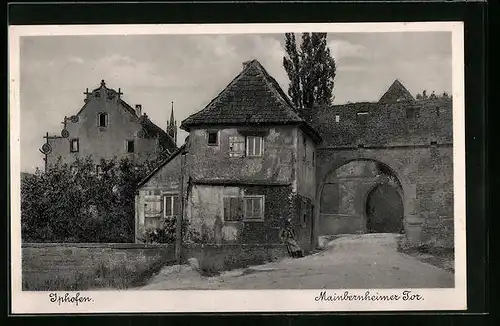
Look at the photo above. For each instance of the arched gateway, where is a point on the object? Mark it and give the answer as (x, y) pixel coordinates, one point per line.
(362, 191)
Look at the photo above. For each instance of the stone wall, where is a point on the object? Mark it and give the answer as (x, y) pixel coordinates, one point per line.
(65, 260)
(45, 262)
(230, 256)
(426, 177)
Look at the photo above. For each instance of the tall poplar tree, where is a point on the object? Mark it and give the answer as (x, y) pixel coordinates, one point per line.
(311, 70)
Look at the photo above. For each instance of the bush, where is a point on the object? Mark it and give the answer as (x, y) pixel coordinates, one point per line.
(167, 233)
(74, 203)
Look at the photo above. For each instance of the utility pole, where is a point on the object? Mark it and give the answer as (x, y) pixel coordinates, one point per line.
(180, 216)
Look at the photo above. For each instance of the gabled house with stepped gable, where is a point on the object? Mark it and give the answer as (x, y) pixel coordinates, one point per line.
(107, 127)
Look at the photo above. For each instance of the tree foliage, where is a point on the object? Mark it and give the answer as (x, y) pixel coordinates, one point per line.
(76, 203)
(311, 70)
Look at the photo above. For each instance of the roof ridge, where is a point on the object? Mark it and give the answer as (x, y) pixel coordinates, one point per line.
(217, 97)
(276, 89)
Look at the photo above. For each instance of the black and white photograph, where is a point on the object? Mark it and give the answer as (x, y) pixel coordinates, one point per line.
(259, 167)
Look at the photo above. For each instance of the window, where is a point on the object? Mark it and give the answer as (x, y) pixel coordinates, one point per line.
(102, 119)
(254, 146)
(232, 209)
(362, 117)
(304, 142)
(130, 146)
(236, 146)
(171, 204)
(337, 118)
(74, 145)
(153, 202)
(213, 139)
(412, 113)
(254, 207)
(303, 212)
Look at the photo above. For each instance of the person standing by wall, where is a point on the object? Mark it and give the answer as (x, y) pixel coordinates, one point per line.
(287, 235)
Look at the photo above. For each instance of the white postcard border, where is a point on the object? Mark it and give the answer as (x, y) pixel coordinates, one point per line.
(24, 302)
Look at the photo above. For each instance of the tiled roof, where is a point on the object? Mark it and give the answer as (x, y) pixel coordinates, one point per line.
(151, 130)
(396, 93)
(253, 97)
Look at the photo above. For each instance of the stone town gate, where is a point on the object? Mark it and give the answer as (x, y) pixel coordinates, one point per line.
(423, 178)
(411, 141)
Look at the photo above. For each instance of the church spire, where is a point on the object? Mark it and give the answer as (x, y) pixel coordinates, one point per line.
(172, 125)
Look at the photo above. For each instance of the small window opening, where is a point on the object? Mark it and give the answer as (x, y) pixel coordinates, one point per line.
(212, 138)
(103, 119)
(130, 146)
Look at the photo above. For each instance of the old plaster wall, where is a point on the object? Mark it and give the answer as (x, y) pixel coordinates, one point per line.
(205, 210)
(276, 165)
(167, 180)
(102, 142)
(306, 164)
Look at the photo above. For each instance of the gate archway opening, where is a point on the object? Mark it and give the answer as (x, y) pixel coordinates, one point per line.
(384, 210)
(361, 196)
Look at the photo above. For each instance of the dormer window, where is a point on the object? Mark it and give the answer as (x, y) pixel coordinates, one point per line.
(102, 120)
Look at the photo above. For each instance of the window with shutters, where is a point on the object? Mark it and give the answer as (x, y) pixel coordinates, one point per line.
(253, 208)
(255, 146)
(236, 146)
(152, 205)
(232, 209)
(171, 205)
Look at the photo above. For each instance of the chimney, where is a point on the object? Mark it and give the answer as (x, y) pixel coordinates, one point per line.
(138, 109)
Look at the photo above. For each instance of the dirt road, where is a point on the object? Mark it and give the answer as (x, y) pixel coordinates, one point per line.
(352, 261)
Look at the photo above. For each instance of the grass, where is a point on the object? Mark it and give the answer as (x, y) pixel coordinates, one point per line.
(116, 277)
(440, 257)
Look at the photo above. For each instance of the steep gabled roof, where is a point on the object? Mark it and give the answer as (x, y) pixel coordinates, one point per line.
(149, 128)
(252, 97)
(396, 93)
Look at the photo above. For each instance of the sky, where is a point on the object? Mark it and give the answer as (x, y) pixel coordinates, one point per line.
(190, 70)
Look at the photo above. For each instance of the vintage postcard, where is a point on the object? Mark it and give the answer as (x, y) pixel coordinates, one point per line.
(237, 168)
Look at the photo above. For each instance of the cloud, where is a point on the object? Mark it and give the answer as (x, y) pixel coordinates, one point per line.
(75, 60)
(345, 49)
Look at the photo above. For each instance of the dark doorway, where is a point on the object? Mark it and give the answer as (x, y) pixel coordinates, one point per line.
(384, 210)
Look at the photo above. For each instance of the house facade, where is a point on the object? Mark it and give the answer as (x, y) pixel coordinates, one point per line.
(247, 167)
(107, 127)
(252, 161)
